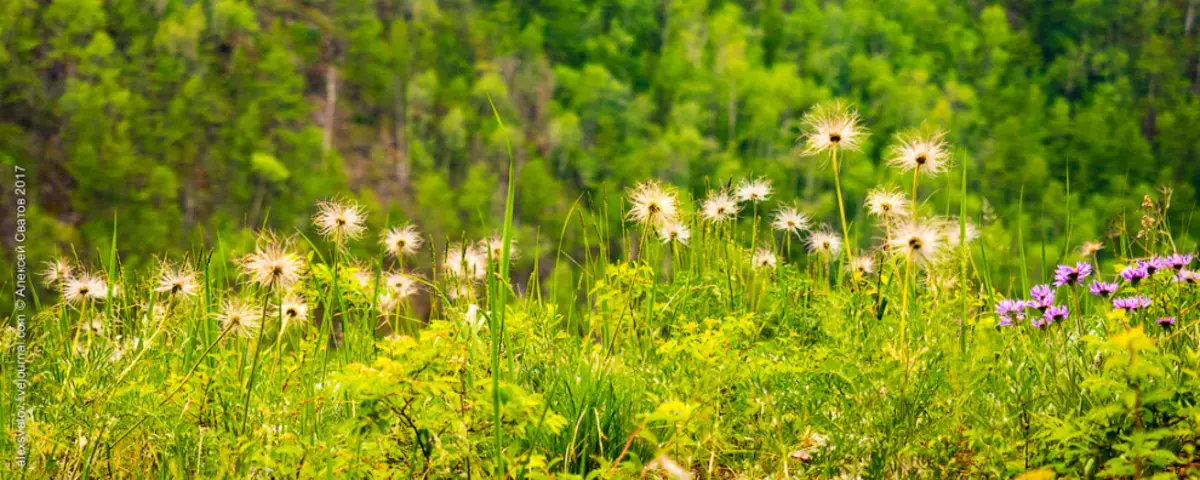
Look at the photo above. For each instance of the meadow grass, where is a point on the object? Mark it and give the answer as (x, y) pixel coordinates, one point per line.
(684, 345)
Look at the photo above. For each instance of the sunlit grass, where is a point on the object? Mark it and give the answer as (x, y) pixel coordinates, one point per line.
(720, 353)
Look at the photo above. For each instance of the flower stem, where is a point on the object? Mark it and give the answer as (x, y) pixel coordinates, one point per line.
(837, 185)
(254, 365)
(916, 175)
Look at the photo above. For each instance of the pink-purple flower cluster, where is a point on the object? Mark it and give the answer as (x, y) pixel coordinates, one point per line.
(1041, 297)
(1068, 275)
(1166, 321)
(1187, 276)
(1154, 264)
(1179, 261)
(1131, 304)
(1135, 274)
(1008, 310)
(1055, 314)
(1102, 289)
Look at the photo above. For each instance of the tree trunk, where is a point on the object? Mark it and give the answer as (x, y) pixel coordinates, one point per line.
(330, 106)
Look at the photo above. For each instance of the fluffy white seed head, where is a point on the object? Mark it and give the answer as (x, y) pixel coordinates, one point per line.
(789, 219)
(85, 286)
(764, 259)
(719, 207)
(57, 272)
(493, 247)
(831, 126)
(918, 242)
(239, 318)
(652, 204)
(177, 280)
(400, 242)
(340, 220)
(403, 285)
(887, 203)
(755, 190)
(292, 312)
(824, 243)
(928, 153)
(674, 232)
(272, 265)
(952, 232)
(1090, 248)
(465, 263)
(861, 266)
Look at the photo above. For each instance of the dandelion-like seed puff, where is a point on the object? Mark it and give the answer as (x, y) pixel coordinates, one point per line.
(825, 244)
(652, 204)
(927, 153)
(719, 207)
(291, 312)
(340, 220)
(57, 272)
(861, 266)
(85, 286)
(493, 247)
(754, 190)
(466, 263)
(400, 242)
(674, 232)
(403, 285)
(1090, 248)
(177, 280)
(831, 126)
(271, 265)
(952, 231)
(887, 203)
(918, 242)
(789, 219)
(239, 318)
(764, 259)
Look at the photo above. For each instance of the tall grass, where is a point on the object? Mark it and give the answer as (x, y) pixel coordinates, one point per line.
(638, 358)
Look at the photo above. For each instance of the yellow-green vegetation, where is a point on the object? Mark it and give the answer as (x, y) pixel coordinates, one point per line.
(697, 356)
(599, 240)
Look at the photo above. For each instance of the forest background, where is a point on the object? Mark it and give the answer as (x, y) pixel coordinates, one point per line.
(188, 124)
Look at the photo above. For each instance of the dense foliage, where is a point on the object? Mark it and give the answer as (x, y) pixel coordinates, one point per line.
(843, 266)
(693, 360)
(184, 121)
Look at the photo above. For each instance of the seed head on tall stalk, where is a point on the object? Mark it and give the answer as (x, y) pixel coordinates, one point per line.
(272, 267)
(834, 127)
(401, 242)
(917, 243)
(674, 233)
(790, 221)
(754, 192)
(824, 245)
(720, 207)
(651, 204)
(920, 152)
(889, 205)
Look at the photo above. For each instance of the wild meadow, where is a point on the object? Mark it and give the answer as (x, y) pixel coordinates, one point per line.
(722, 335)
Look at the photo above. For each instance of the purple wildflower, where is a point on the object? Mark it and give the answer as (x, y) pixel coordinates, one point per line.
(1166, 321)
(1102, 289)
(1132, 304)
(1134, 274)
(1180, 261)
(1154, 264)
(1187, 276)
(1043, 297)
(1068, 275)
(1056, 314)
(1038, 322)
(1009, 309)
